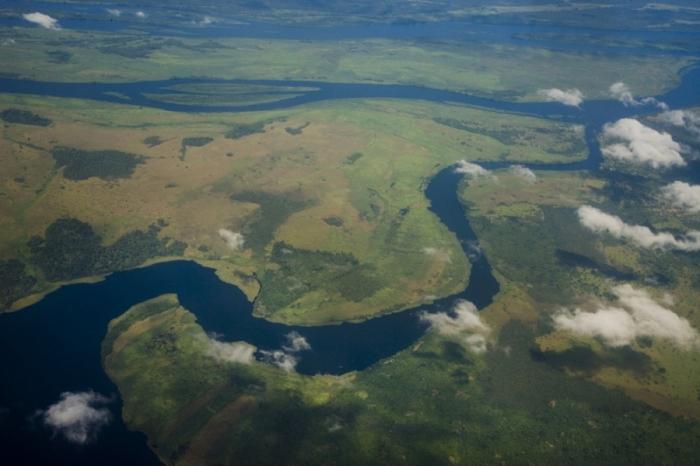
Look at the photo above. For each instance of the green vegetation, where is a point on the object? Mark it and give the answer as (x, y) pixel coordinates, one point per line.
(294, 273)
(334, 221)
(196, 141)
(24, 117)
(510, 135)
(15, 283)
(530, 230)
(273, 210)
(193, 142)
(131, 48)
(298, 130)
(354, 157)
(435, 403)
(240, 130)
(58, 56)
(71, 249)
(152, 141)
(105, 164)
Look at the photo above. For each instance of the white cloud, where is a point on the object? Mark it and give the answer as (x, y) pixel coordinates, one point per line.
(234, 240)
(464, 319)
(8, 41)
(114, 12)
(471, 169)
(620, 91)
(638, 315)
(683, 195)
(77, 416)
(524, 173)
(681, 118)
(234, 352)
(296, 343)
(570, 97)
(601, 222)
(42, 20)
(629, 140)
(206, 20)
(286, 358)
(280, 359)
(140, 14)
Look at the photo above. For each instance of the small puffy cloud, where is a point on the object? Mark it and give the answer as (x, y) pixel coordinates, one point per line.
(206, 20)
(630, 141)
(683, 195)
(682, 119)
(114, 12)
(140, 14)
(524, 173)
(570, 97)
(280, 359)
(234, 240)
(620, 91)
(635, 315)
(601, 222)
(42, 20)
(471, 169)
(8, 41)
(296, 343)
(287, 358)
(78, 416)
(234, 352)
(464, 319)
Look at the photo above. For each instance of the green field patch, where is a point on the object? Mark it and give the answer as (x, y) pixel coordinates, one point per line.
(584, 360)
(352, 158)
(82, 164)
(334, 221)
(131, 48)
(193, 141)
(141, 312)
(23, 117)
(196, 141)
(58, 56)
(241, 130)
(568, 142)
(572, 259)
(295, 131)
(298, 272)
(152, 141)
(71, 249)
(273, 210)
(15, 282)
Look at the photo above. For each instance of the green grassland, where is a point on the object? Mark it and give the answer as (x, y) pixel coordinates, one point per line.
(486, 69)
(533, 238)
(364, 164)
(434, 403)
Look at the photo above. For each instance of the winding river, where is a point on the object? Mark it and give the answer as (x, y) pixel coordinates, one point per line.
(54, 345)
